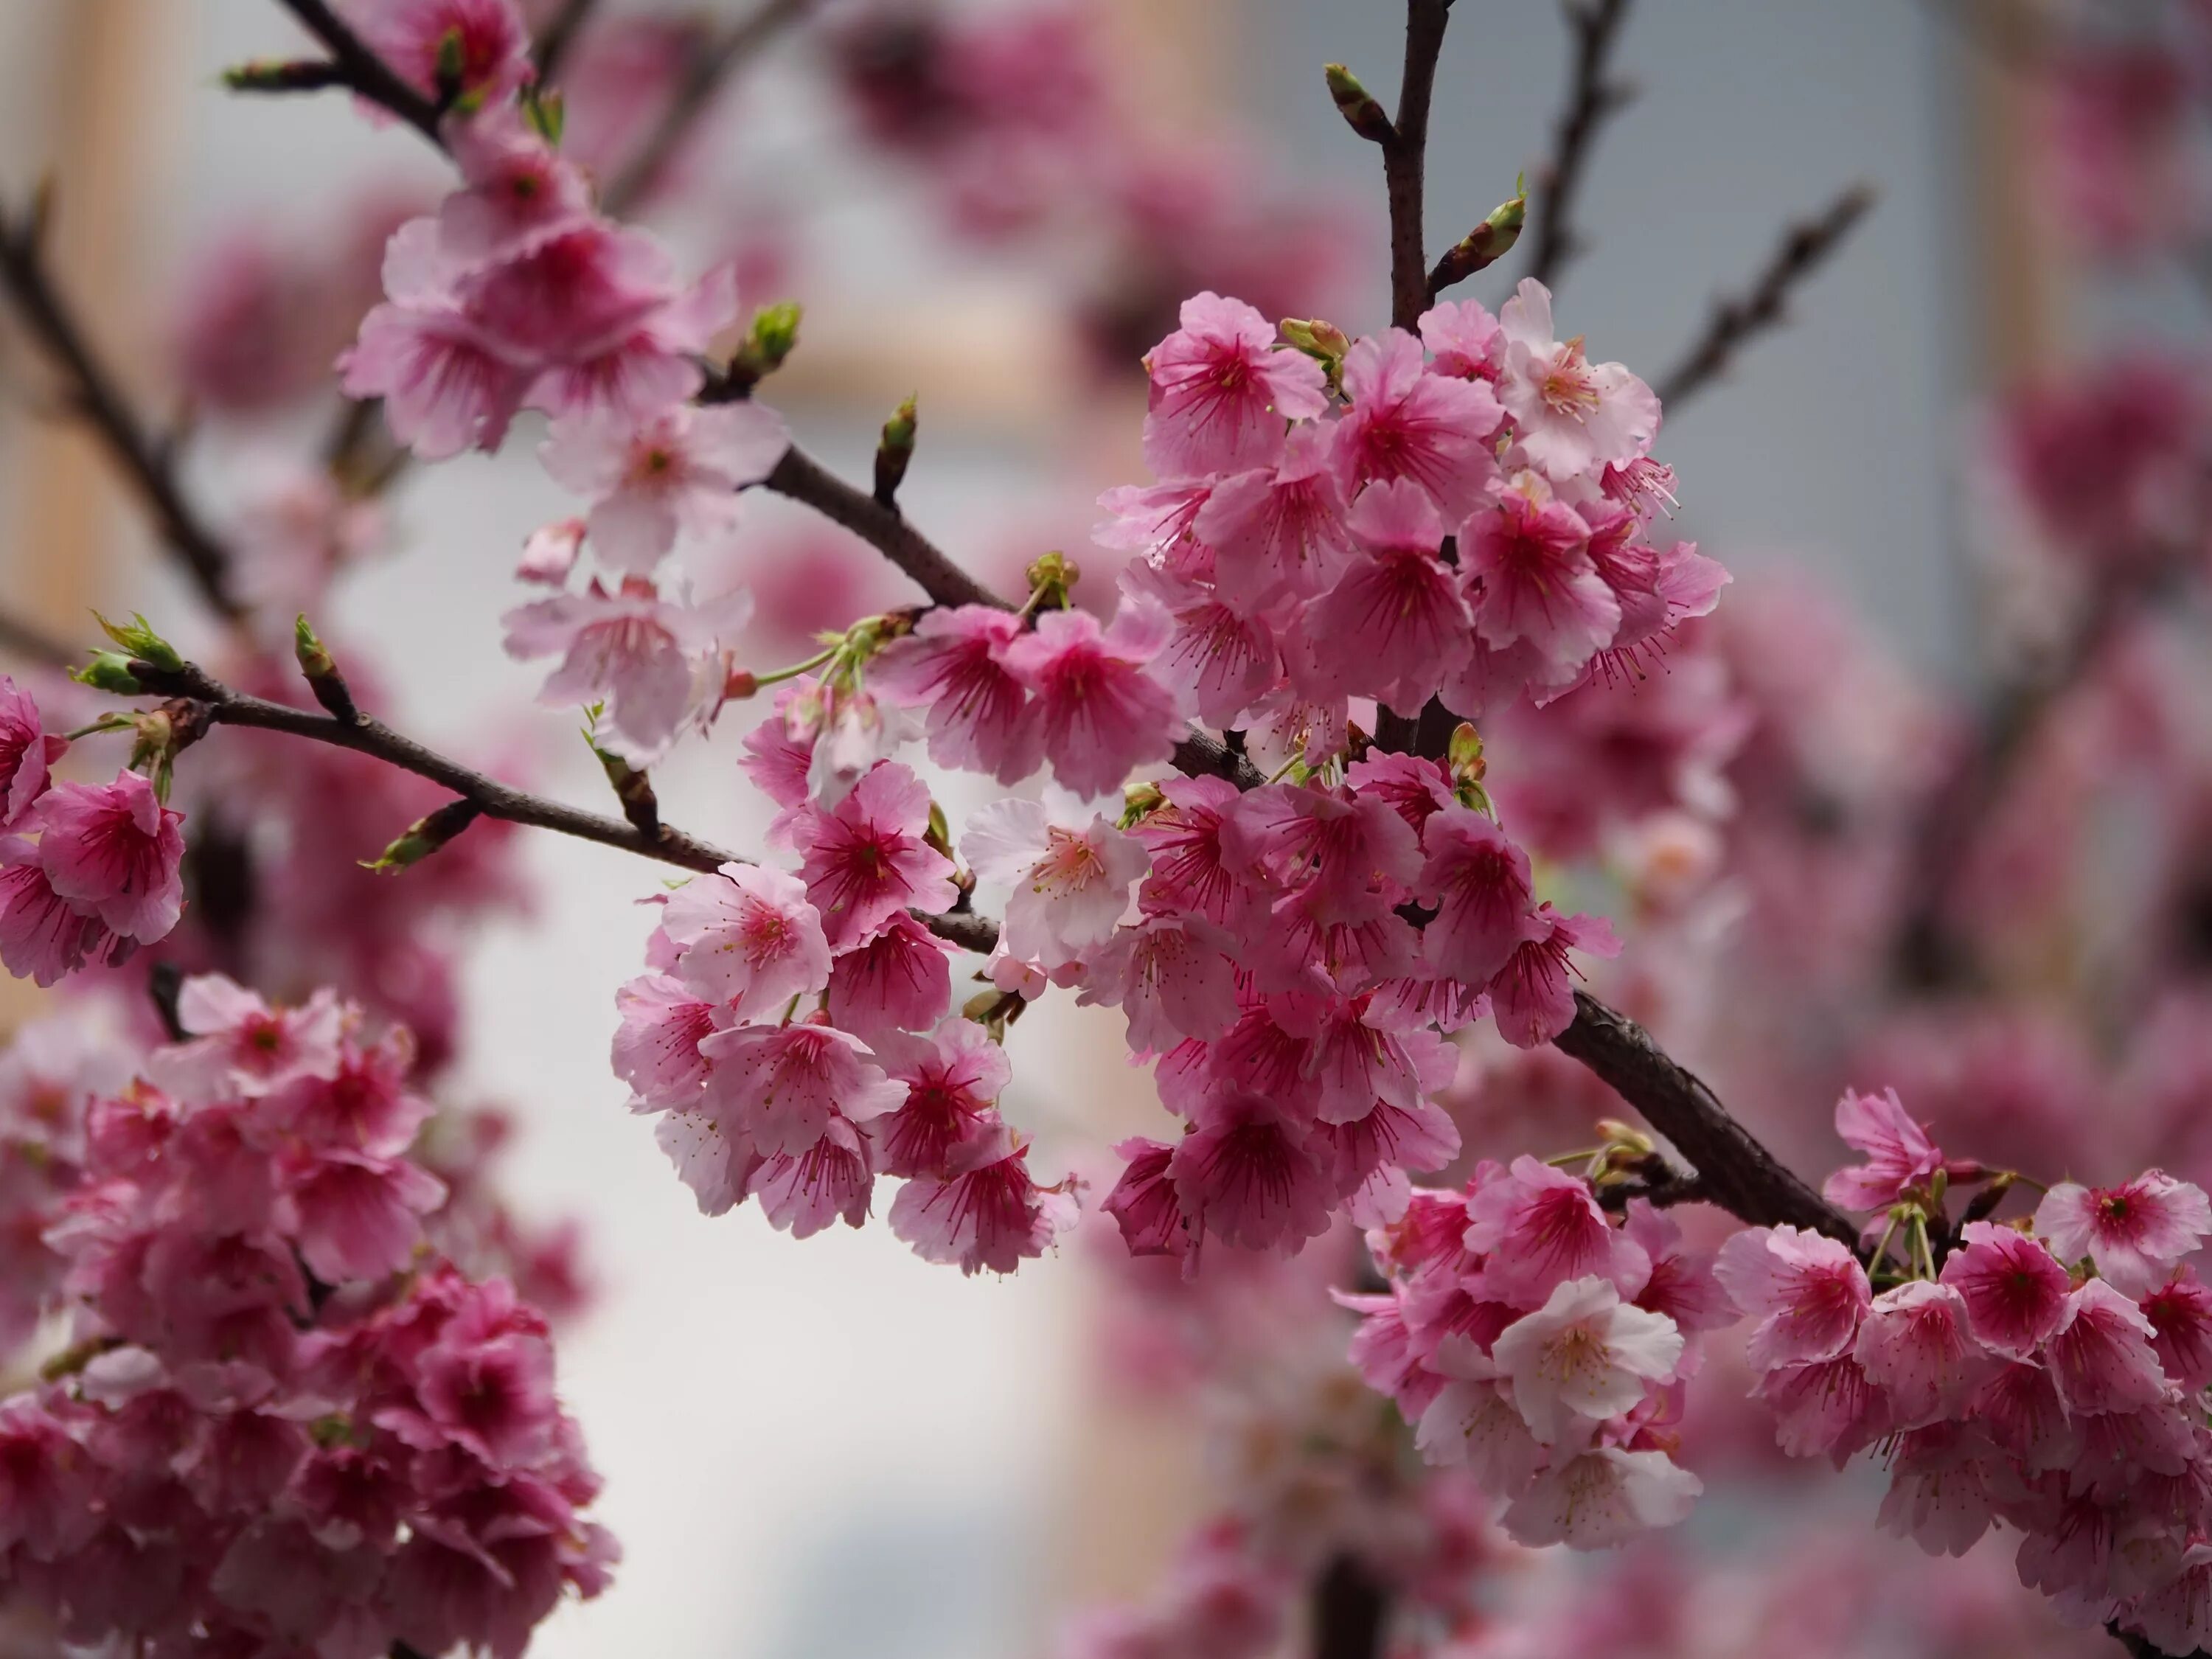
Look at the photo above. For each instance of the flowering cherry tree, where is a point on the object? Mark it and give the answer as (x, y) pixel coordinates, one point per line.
(1294, 798)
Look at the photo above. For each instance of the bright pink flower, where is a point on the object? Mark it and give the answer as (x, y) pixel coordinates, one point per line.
(749, 940)
(2015, 1291)
(1405, 422)
(1530, 996)
(1355, 849)
(2101, 1356)
(1898, 1153)
(1414, 787)
(1172, 975)
(486, 39)
(1914, 1344)
(2020, 1410)
(1070, 885)
(1195, 869)
(1248, 1175)
(779, 765)
(1829, 1409)
(871, 857)
(1223, 392)
(656, 1048)
(1538, 1227)
(1479, 881)
(833, 1179)
(1278, 529)
(1396, 623)
(2135, 1233)
(114, 852)
(954, 663)
(899, 981)
(242, 1045)
(953, 1080)
(46, 1482)
(983, 1210)
(2180, 1315)
(1809, 1294)
(1364, 1060)
(1683, 1284)
(26, 751)
(675, 473)
(1099, 713)
(1530, 553)
(1464, 340)
(494, 1398)
(782, 1085)
(1570, 417)
(653, 664)
(365, 1105)
(1144, 1204)
(1219, 658)
(357, 1217)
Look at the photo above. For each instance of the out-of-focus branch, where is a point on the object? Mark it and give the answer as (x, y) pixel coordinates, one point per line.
(1593, 97)
(551, 50)
(710, 69)
(1738, 319)
(355, 67)
(93, 392)
(2141, 1648)
(1350, 1611)
(33, 644)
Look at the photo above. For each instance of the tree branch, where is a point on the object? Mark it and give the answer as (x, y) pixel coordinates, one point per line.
(1350, 1611)
(1592, 98)
(144, 460)
(363, 72)
(550, 51)
(1737, 320)
(1405, 161)
(884, 528)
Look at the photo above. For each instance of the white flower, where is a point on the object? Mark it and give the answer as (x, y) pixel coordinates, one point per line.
(1583, 1353)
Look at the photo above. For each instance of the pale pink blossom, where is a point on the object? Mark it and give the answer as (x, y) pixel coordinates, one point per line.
(2101, 1356)
(1570, 417)
(716, 1161)
(1405, 422)
(1473, 1421)
(1531, 997)
(1898, 1153)
(1601, 1497)
(983, 1210)
(656, 1048)
(1682, 1285)
(243, 1046)
(832, 1180)
(114, 852)
(2015, 1291)
(1223, 392)
(1830, 1408)
(954, 663)
(1528, 553)
(2136, 1233)
(1914, 1345)
(1099, 713)
(550, 553)
(1807, 1292)
(1585, 1353)
(1248, 1174)
(518, 189)
(26, 751)
(1172, 975)
(1365, 1058)
(1540, 1227)
(1939, 1494)
(748, 940)
(487, 40)
(782, 1085)
(1070, 881)
(676, 473)
(1278, 529)
(356, 1216)
(1464, 340)
(871, 857)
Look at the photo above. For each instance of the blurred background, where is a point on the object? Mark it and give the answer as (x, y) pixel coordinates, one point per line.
(828, 1448)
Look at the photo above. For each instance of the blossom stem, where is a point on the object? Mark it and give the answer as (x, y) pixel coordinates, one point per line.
(1592, 97)
(777, 677)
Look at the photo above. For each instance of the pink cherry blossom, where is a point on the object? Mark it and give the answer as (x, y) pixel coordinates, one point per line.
(26, 751)
(2015, 1291)
(2101, 1356)
(1222, 392)
(1144, 1204)
(1464, 340)
(1540, 1227)
(954, 663)
(1099, 714)
(900, 980)
(1278, 529)
(984, 1210)
(488, 38)
(1530, 995)
(783, 1085)
(1071, 882)
(243, 1046)
(1405, 422)
(359, 1217)
(114, 852)
(1601, 1497)
(1584, 1353)
(2135, 1233)
(677, 472)
(1396, 623)
(953, 1078)
(2180, 1315)
(1570, 417)
(1914, 1344)
(871, 859)
(519, 188)
(1172, 977)
(1249, 1175)
(1479, 881)
(656, 1048)
(1898, 1153)
(1809, 1294)
(748, 938)
(1530, 553)
(1829, 1408)
(1683, 1284)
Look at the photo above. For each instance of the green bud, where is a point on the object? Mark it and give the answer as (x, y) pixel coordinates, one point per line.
(108, 672)
(1139, 801)
(775, 333)
(314, 657)
(1050, 578)
(280, 75)
(140, 640)
(893, 452)
(425, 837)
(1486, 243)
(939, 832)
(453, 63)
(633, 789)
(1358, 105)
(547, 113)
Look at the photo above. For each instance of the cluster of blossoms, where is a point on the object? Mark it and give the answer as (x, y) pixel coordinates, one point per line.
(88, 871)
(2047, 1374)
(284, 1424)
(1531, 1337)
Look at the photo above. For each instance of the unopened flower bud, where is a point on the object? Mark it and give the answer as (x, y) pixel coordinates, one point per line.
(321, 673)
(108, 672)
(425, 837)
(1487, 243)
(1358, 105)
(893, 452)
(140, 640)
(1050, 578)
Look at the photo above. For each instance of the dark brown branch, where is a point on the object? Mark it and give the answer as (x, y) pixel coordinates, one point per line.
(1405, 161)
(1740, 318)
(551, 50)
(1350, 1610)
(2141, 1648)
(1592, 97)
(144, 460)
(704, 76)
(1735, 1171)
(358, 68)
(884, 528)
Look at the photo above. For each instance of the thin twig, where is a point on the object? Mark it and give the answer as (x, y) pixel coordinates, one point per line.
(1592, 98)
(1738, 319)
(710, 69)
(144, 459)
(1405, 161)
(884, 528)
(363, 72)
